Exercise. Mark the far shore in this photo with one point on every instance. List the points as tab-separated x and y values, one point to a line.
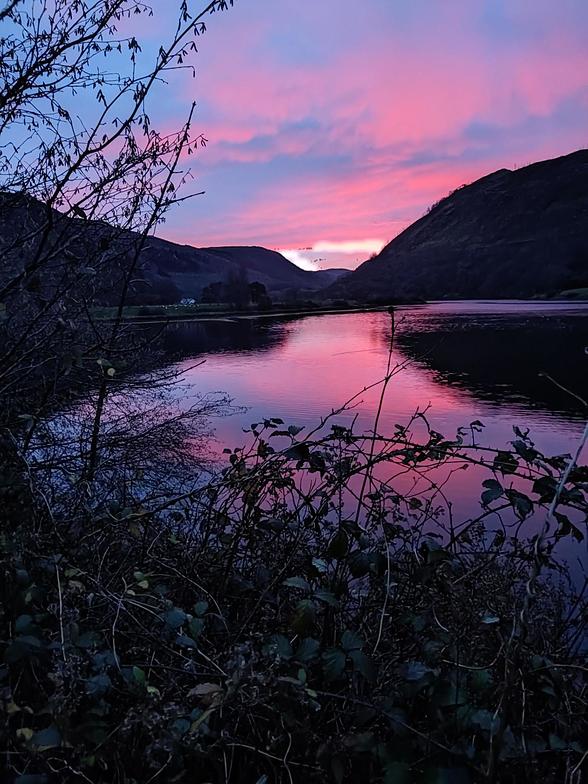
233	315
163	314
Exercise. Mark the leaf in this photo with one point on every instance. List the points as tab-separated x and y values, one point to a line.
138	675
333	663
17	650
397	773
360	742
280	646
48	738
327	597
481	680
297	582
338	768
359	563
23	623
493	491
364	665
505	462
446	776
22	577
196	627
175	617
200	608
303	618
566	527
525	451
98	685
297	452
485	720
185	642
557	744
338	546
545	487
88	639
25	733
415	671
307	649
351	641
447	695
319	565
522	505
30	640
293	430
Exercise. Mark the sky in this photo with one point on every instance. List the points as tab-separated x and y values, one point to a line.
333	125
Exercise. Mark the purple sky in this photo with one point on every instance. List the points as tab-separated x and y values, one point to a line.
332	125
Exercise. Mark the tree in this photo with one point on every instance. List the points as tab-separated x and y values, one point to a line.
82	184
214	292
237	287
256	292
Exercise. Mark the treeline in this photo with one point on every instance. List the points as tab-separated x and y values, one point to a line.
237	291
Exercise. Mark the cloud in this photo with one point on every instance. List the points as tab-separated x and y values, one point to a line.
300	258
350	246
323	122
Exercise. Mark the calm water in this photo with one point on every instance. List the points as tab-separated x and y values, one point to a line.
462	360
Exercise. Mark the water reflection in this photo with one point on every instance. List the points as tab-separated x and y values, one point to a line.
502	356
458	361
464	361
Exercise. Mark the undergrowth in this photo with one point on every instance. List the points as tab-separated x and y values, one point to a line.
314	613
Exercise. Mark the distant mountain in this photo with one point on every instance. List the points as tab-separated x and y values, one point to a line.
183	271
329	276
166	273
511	234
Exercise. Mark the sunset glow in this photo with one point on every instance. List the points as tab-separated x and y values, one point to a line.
325	124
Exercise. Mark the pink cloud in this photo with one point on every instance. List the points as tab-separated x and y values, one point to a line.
356	140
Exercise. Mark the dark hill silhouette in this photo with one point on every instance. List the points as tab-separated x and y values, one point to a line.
167	272
510	234
165	265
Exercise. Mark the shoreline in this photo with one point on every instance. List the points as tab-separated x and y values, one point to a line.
236	316
231	316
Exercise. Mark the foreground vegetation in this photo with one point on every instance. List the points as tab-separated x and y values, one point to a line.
311	613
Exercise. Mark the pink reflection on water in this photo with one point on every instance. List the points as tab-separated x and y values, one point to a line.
318	363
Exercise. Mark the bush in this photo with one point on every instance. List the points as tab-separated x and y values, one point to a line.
302	618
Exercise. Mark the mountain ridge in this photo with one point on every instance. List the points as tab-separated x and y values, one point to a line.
167	271
511	233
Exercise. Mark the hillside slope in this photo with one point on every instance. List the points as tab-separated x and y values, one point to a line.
172	271
516	233
167	272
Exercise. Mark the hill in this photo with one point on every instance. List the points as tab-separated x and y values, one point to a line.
521	233
167	272
174	271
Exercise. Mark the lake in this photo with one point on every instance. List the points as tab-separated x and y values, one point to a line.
459	361
465	361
